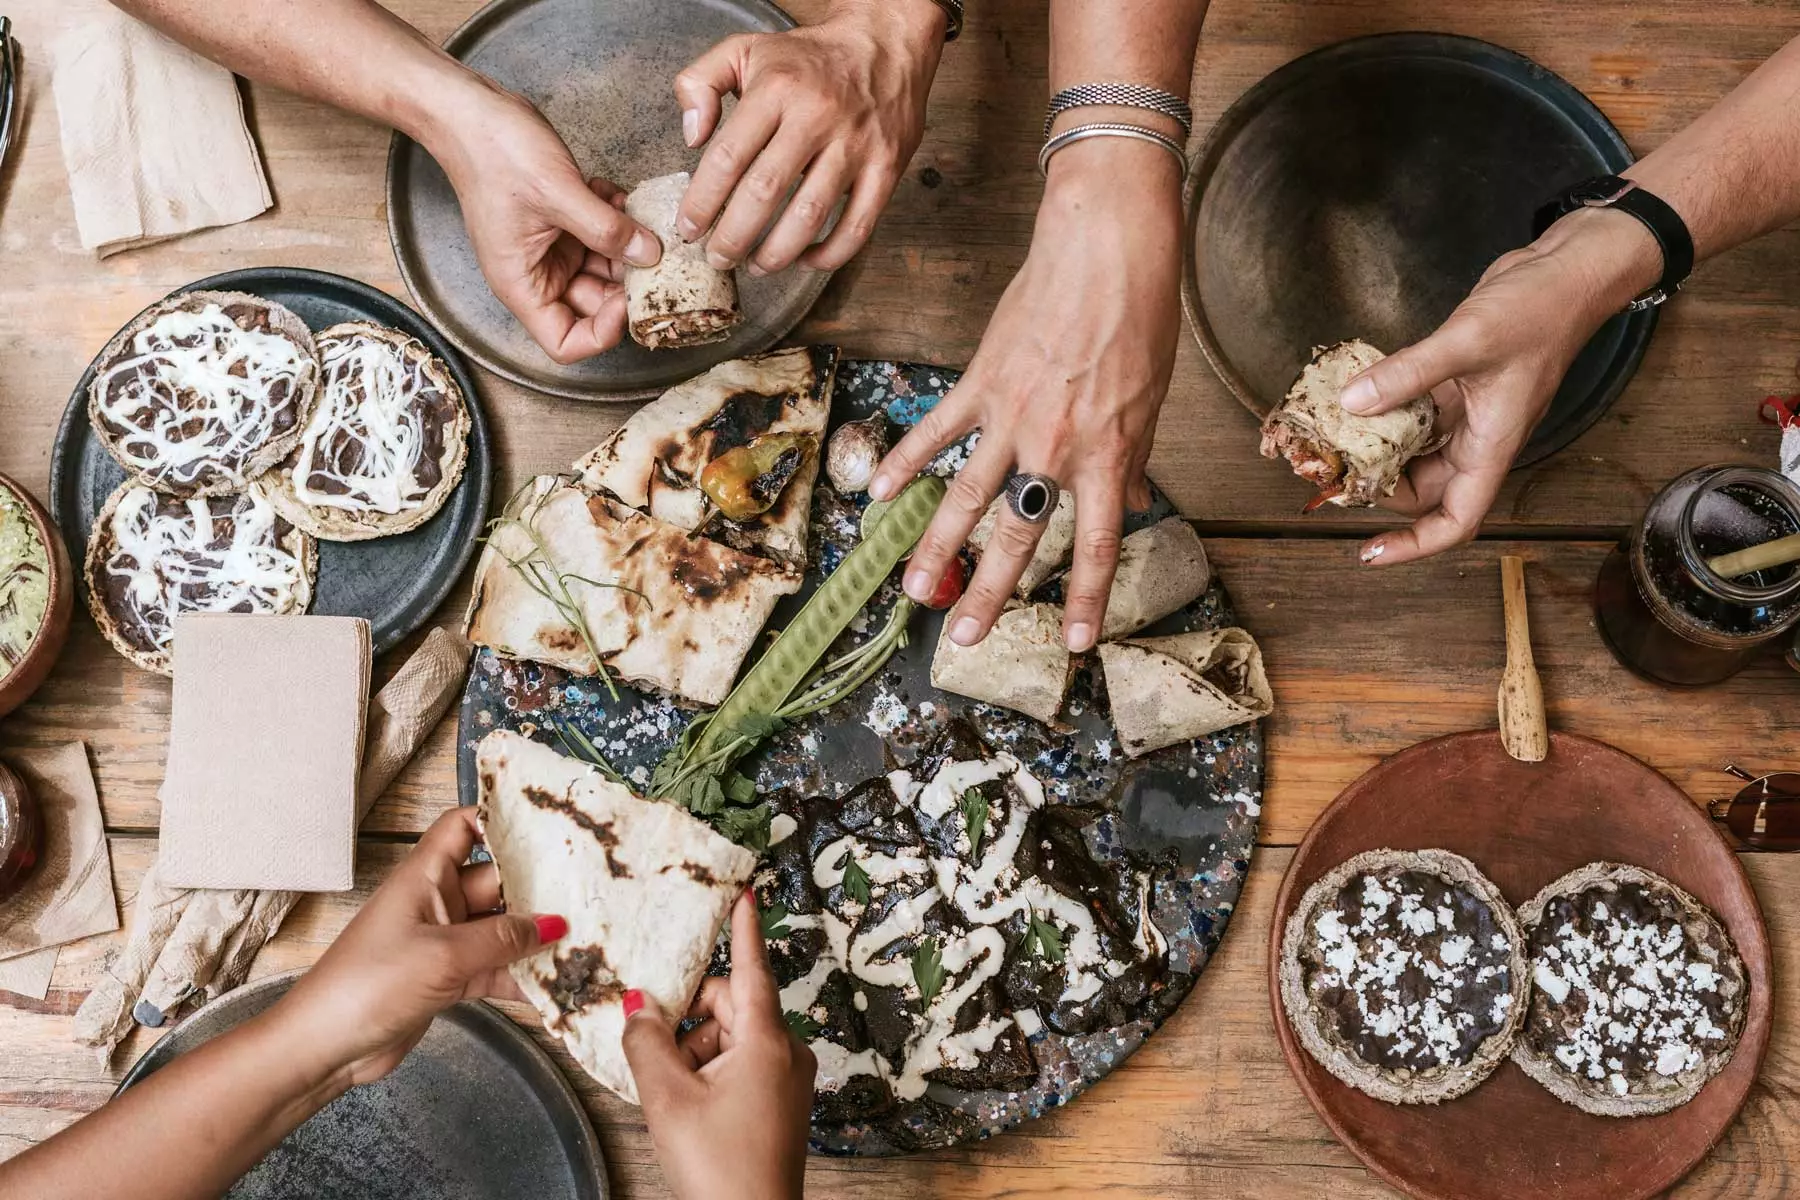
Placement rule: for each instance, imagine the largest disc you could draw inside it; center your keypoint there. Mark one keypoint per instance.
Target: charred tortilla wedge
(1355, 460)
(644, 887)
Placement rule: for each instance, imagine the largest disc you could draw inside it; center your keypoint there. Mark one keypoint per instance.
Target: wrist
(316, 1075)
(1612, 258)
(462, 102)
(1119, 174)
(916, 25)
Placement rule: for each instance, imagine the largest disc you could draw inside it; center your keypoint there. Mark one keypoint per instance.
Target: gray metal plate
(602, 72)
(396, 583)
(476, 1111)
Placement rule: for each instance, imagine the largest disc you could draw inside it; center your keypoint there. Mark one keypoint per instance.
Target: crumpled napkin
(153, 136)
(188, 942)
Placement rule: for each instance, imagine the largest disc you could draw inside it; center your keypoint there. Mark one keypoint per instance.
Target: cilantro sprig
(974, 807)
(928, 971)
(856, 880)
(1042, 939)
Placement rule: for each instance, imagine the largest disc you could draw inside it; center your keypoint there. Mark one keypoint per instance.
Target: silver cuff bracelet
(1121, 95)
(1081, 133)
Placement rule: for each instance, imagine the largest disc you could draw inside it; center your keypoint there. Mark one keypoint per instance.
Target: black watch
(1663, 222)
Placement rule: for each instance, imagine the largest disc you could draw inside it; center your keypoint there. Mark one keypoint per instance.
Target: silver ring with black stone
(1032, 497)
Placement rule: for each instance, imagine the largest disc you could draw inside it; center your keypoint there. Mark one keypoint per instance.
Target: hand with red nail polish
(728, 1101)
(428, 937)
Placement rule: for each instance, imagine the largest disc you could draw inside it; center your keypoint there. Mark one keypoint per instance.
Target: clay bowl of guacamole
(36, 594)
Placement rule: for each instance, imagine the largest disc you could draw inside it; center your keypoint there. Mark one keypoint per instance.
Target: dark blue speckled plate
(1191, 809)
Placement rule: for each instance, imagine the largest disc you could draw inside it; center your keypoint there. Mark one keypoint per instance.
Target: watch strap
(1650, 210)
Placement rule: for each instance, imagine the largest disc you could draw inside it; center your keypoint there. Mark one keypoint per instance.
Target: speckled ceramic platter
(1188, 812)
(603, 73)
(476, 1110)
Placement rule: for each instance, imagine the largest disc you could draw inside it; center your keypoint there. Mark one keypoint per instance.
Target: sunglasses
(1765, 814)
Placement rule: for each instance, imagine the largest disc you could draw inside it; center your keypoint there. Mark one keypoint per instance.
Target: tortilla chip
(1176, 689)
(1023, 663)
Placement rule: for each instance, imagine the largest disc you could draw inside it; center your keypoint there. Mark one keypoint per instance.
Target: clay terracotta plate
(1524, 824)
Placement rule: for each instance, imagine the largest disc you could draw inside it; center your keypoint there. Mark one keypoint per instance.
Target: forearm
(189, 1130)
(353, 54)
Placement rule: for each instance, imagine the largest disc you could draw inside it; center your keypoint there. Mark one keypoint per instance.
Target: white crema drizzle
(224, 379)
(986, 893)
(366, 395)
(174, 552)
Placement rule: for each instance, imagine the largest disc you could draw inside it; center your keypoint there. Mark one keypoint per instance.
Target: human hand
(418, 946)
(1067, 383)
(1494, 366)
(729, 1103)
(552, 245)
(837, 107)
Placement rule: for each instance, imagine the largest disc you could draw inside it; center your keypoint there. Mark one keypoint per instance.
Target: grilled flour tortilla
(909, 954)
(653, 462)
(683, 300)
(1022, 664)
(1640, 995)
(1054, 546)
(1175, 689)
(1162, 569)
(204, 392)
(1355, 460)
(661, 606)
(152, 557)
(644, 886)
(386, 442)
(1403, 974)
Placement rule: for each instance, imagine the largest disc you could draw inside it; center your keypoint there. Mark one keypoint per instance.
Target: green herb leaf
(774, 921)
(579, 746)
(856, 880)
(1042, 939)
(928, 971)
(974, 807)
(740, 788)
(748, 827)
(804, 1027)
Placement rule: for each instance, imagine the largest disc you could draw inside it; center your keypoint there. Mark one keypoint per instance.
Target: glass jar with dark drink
(1670, 617)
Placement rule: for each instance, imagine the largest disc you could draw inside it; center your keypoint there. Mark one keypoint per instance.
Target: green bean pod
(827, 614)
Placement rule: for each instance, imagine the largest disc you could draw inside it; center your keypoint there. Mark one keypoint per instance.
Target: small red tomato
(950, 585)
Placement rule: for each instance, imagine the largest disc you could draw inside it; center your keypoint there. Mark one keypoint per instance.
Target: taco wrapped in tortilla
(1175, 689)
(644, 886)
(1355, 460)
(1023, 663)
(1054, 546)
(683, 300)
(1162, 569)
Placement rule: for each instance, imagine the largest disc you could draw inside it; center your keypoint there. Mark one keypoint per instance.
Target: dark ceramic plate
(603, 73)
(395, 582)
(476, 1111)
(1191, 810)
(1362, 189)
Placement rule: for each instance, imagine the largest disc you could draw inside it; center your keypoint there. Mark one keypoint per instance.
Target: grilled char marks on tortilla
(582, 977)
(602, 830)
(205, 391)
(867, 881)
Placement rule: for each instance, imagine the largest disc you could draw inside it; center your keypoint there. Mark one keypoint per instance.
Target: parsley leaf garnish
(856, 880)
(1042, 939)
(804, 1027)
(928, 971)
(974, 807)
(774, 921)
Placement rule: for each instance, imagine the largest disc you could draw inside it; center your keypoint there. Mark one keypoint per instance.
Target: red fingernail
(633, 1001)
(550, 927)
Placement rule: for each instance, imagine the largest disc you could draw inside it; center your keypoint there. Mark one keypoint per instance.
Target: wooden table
(1364, 662)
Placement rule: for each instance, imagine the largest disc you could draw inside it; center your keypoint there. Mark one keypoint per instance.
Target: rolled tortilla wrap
(1162, 569)
(1175, 689)
(1053, 548)
(1023, 663)
(683, 300)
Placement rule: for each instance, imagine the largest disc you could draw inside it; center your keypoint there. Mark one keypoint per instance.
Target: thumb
(1406, 375)
(701, 88)
(657, 1064)
(600, 226)
(489, 943)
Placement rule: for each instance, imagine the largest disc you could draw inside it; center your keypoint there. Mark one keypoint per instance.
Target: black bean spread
(1632, 989)
(1411, 970)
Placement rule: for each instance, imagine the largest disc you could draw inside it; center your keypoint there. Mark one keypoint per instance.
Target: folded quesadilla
(1023, 663)
(655, 604)
(644, 886)
(683, 300)
(1355, 460)
(1174, 689)
(654, 461)
(1053, 549)
(1162, 569)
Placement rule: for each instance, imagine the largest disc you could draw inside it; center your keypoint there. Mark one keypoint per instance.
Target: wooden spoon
(1777, 553)
(1524, 730)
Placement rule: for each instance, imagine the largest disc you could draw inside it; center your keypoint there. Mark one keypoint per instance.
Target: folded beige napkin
(70, 894)
(153, 137)
(29, 975)
(186, 943)
(265, 743)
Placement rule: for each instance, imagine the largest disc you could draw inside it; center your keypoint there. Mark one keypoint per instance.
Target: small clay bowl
(21, 833)
(17, 685)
